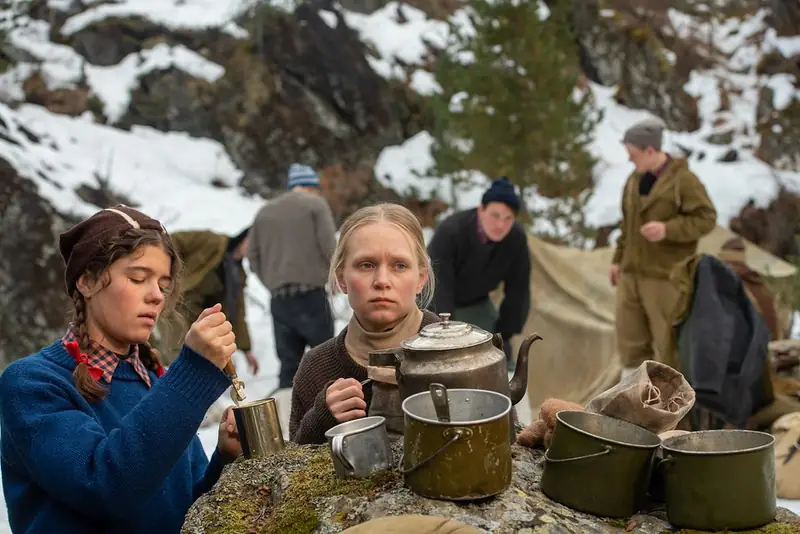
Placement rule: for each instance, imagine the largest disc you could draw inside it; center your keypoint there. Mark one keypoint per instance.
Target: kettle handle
(497, 340)
(385, 357)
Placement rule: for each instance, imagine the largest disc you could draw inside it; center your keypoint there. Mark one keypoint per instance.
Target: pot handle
(606, 449)
(337, 449)
(666, 462)
(453, 435)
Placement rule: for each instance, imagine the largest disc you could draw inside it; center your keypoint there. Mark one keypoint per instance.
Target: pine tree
(509, 104)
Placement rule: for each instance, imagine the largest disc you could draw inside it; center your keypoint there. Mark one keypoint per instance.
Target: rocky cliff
(297, 492)
(33, 303)
(274, 85)
(296, 89)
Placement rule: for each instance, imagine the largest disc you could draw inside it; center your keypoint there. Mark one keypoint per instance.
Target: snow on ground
(400, 33)
(173, 14)
(730, 185)
(113, 85)
(62, 67)
(168, 175)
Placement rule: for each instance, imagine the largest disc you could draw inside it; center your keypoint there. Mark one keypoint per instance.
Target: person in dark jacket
(473, 251)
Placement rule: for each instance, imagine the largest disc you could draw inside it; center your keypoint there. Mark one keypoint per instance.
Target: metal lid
(446, 335)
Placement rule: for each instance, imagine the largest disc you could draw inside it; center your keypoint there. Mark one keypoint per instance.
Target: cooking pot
(463, 455)
(598, 464)
(720, 479)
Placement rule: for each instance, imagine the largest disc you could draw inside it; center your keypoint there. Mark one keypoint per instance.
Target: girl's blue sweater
(131, 463)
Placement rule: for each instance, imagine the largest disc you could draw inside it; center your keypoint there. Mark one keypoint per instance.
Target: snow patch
(172, 14)
(113, 85)
(168, 175)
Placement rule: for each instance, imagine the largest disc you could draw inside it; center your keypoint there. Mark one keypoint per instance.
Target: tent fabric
(572, 308)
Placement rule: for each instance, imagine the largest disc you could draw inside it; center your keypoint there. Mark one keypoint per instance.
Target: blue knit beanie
(302, 175)
(502, 190)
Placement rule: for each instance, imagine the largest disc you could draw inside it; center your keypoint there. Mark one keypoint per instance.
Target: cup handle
(337, 449)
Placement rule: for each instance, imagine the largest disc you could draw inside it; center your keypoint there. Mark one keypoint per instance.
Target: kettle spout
(519, 382)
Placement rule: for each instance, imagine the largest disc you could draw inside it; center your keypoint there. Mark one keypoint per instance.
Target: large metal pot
(465, 458)
(598, 464)
(720, 479)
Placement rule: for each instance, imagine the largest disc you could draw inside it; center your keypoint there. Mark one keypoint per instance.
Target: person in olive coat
(213, 273)
(665, 212)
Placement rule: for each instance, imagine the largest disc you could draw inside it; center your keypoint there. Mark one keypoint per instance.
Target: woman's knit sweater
(319, 368)
(131, 463)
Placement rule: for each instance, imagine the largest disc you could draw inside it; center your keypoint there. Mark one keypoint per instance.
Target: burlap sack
(654, 396)
(787, 456)
(416, 524)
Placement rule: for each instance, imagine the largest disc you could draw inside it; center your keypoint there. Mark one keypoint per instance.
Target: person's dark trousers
(300, 319)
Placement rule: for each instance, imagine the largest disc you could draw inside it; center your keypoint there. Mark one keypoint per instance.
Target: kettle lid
(446, 335)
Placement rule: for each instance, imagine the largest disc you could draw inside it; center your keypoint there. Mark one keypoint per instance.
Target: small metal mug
(259, 428)
(360, 448)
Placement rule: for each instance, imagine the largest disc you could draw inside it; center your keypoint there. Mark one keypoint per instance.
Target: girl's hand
(228, 444)
(212, 337)
(345, 400)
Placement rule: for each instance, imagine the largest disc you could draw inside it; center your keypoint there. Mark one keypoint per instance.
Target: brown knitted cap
(84, 241)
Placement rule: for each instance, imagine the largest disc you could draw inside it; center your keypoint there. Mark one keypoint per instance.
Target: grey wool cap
(649, 132)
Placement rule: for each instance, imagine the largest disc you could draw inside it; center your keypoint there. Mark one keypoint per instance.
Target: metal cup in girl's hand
(259, 428)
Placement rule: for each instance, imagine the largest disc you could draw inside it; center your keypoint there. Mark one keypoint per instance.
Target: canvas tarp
(572, 308)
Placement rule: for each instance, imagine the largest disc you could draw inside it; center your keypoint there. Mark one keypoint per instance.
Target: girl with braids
(96, 437)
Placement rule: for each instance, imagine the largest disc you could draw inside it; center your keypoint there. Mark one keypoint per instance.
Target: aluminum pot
(598, 464)
(720, 479)
(467, 457)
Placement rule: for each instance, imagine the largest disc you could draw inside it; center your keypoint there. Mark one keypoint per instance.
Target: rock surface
(33, 302)
(297, 90)
(619, 48)
(297, 492)
(774, 227)
(778, 129)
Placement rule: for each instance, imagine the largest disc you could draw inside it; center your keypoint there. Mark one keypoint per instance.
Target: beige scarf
(359, 342)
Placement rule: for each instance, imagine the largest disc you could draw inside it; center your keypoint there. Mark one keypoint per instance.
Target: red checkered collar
(105, 361)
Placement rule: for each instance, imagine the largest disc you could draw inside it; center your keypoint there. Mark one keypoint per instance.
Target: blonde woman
(381, 264)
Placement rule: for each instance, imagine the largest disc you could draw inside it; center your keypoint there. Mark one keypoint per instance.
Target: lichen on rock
(278, 494)
(778, 129)
(620, 49)
(297, 492)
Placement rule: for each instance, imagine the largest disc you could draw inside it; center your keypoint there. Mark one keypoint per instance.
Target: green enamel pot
(598, 465)
(720, 479)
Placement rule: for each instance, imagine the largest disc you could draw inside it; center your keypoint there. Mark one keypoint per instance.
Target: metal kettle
(457, 355)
